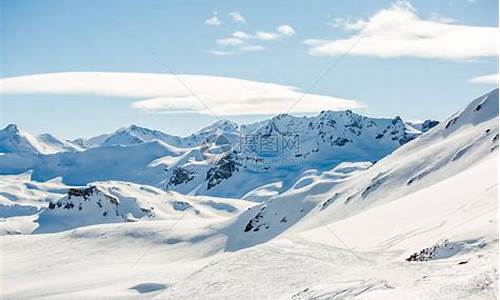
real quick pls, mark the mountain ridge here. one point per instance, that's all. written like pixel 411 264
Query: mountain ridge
pixel 202 162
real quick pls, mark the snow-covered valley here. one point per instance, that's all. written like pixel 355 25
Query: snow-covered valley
pixel 359 208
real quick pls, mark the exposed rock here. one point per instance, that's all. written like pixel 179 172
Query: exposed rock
pixel 180 175
pixel 253 224
pixel 340 141
pixel 223 169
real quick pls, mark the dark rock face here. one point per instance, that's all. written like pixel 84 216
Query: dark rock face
pixel 181 205
pixel 223 169
pixel 430 252
pixel 253 224
pixel 406 138
pixel 85 193
pixel 429 124
pixel 340 141
pixel 396 120
pixel 451 122
pixel 179 176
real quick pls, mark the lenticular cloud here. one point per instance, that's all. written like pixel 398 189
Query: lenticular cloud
pixel 174 93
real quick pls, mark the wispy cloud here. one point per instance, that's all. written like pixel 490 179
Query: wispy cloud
pixel 213 20
pixel 165 92
pixel 241 35
pixel 399 32
pixel 246 42
pixel 266 36
pixel 486 79
pixel 250 48
pixel 237 17
pixel 230 41
pixel 222 52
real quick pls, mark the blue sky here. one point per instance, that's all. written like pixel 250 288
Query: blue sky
pixel 41 37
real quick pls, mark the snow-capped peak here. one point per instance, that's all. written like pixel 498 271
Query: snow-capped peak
pixel 13 128
pixel 135 134
pixel 16 140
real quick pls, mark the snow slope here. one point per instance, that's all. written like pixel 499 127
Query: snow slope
pixel 360 257
pixel 451 147
pixel 364 256
pixel 118 202
pixel 127 163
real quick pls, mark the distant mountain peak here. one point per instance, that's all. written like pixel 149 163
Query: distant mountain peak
pixel 13 128
pixel 15 140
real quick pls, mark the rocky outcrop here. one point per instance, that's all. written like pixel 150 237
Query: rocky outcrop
pixel 223 169
pixel 179 176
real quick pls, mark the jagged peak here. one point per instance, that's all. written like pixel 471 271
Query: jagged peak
pixel 396 119
pixel 12 128
pixel 134 128
pixel 219 125
pixel 282 116
pixel 337 113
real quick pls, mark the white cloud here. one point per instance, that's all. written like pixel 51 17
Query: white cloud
pixel 241 35
pixel 230 42
pixel 221 53
pixel 486 79
pixel 245 42
pixel 281 31
pixel 251 48
pixel 315 42
pixel 164 92
pixel 399 32
pixel 266 36
pixel 286 30
pixel 237 17
pixel 213 20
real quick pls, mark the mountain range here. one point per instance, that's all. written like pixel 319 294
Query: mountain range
pixel 206 162
pixel 335 206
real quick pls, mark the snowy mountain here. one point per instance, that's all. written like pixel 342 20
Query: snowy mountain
pixel 279 150
pixel 135 135
pixel 15 140
pixel 118 202
pixel 419 223
pixel 465 138
pixel 276 151
pixel 135 163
